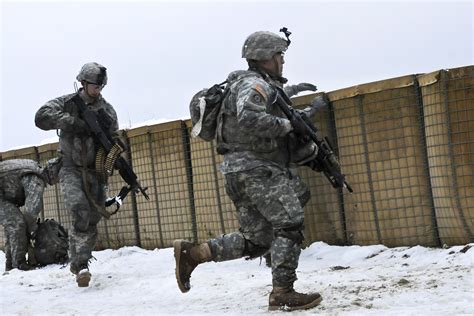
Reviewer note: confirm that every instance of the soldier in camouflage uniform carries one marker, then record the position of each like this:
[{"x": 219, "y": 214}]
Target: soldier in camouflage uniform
[
  {"x": 82, "y": 187},
  {"x": 255, "y": 138},
  {"x": 22, "y": 183}
]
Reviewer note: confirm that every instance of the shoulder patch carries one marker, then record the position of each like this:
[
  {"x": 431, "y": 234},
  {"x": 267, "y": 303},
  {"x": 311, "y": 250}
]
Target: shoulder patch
[{"x": 260, "y": 90}]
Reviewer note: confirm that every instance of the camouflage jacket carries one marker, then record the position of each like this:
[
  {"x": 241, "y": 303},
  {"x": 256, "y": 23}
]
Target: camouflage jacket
[
  {"x": 251, "y": 130},
  {"x": 22, "y": 183},
  {"x": 77, "y": 148}
]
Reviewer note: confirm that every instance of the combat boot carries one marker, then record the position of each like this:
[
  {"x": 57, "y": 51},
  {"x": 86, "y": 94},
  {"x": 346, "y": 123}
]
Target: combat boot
[
  {"x": 286, "y": 298},
  {"x": 83, "y": 276},
  {"x": 188, "y": 256}
]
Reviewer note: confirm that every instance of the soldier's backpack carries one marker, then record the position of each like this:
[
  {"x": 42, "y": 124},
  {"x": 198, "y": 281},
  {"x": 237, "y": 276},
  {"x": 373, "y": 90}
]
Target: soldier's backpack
[
  {"x": 204, "y": 109},
  {"x": 206, "y": 104},
  {"x": 50, "y": 244}
]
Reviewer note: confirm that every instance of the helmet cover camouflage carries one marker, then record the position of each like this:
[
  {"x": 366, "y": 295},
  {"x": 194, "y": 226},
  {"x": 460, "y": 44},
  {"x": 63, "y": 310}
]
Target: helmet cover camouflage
[
  {"x": 93, "y": 73},
  {"x": 263, "y": 45}
]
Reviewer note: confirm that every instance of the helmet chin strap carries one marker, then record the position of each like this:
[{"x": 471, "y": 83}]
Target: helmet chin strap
[
  {"x": 276, "y": 67},
  {"x": 255, "y": 67},
  {"x": 277, "y": 76}
]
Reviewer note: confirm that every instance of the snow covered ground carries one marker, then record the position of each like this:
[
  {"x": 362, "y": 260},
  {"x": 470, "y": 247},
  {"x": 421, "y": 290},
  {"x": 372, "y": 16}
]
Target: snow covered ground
[{"x": 370, "y": 280}]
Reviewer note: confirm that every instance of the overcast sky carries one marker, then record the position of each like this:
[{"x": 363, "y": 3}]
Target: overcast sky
[{"x": 159, "y": 53}]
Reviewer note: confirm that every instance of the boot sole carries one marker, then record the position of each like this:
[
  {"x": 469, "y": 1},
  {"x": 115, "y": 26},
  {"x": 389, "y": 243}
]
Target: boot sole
[
  {"x": 177, "y": 255},
  {"x": 312, "y": 304},
  {"x": 83, "y": 279}
]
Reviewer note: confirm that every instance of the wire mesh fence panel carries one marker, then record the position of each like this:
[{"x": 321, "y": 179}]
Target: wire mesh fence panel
[
  {"x": 215, "y": 212},
  {"x": 448, "y": 98},
  {"x": 23, "y": 153},
  {"x": 207, "y": 196},
  {"x": 323, "y": 217},
  {"x": 149, "y": 228},
  {"x": 358, "y": 207},
  {"x": 170, "y": 206},
  {"x": 396, "y": 196},
  {"x": 399, "y": 173}
]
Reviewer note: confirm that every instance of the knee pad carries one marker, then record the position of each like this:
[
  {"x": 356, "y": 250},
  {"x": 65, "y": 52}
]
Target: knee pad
[{"x": 293, "y": 233}]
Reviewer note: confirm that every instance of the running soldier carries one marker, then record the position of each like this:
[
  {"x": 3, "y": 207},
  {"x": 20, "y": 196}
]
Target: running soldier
[{"x": 258, "y": 144}]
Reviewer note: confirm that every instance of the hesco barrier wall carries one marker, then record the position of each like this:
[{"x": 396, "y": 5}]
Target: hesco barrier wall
[
  {"x": 448, "y": 99},
  {"x": 382, "y": 149},
  {"x": 406, "y": 146}
]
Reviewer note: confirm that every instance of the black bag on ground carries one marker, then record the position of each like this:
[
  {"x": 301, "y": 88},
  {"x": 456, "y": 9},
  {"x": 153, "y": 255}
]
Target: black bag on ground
[{"x": 50, "y": 243}]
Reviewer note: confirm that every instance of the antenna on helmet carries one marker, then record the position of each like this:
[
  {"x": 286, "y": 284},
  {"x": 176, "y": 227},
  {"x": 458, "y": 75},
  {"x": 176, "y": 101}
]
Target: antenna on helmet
[{"x": 287, "y": 33}]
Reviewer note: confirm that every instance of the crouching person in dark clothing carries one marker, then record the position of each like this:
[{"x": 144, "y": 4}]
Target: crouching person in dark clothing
[{"x": 22, "y": 183}]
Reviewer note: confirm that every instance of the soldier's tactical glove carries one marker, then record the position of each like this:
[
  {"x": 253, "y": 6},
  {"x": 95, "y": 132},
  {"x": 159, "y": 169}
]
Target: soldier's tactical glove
[
  {"x": 297, "y": 88},
  {"x": 320, "y": 102},
  {"x": 304, "y": 86},
  {"x": 73, "y": 124}
]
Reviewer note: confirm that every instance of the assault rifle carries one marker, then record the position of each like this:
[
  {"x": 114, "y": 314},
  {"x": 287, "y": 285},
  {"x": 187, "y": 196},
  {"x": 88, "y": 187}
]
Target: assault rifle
[
  {"x": 98, "y": 124},
  {"x": 326, "y": 160}
]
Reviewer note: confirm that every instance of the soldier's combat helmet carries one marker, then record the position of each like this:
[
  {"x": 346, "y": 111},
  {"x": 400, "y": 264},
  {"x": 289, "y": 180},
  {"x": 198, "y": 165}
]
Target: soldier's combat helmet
[
  {"x": 263, "y": 45},
  {"x": 93, "y": 73}
]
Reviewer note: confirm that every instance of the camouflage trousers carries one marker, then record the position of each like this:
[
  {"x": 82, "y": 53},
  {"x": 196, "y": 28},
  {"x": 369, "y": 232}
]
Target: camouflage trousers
[
  {"x": 16, "y": 240},
  {"x": 85, "y": 216},
  {"x": 269, "y": 209}
]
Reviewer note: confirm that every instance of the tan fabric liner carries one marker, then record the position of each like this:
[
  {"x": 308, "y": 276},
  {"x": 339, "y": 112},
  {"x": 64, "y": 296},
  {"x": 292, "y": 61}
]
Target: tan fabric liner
[
  {"x": 429, "y": 78},
  {"x": 372, "y": 87},
  {"x": 154, "y": 128}
]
